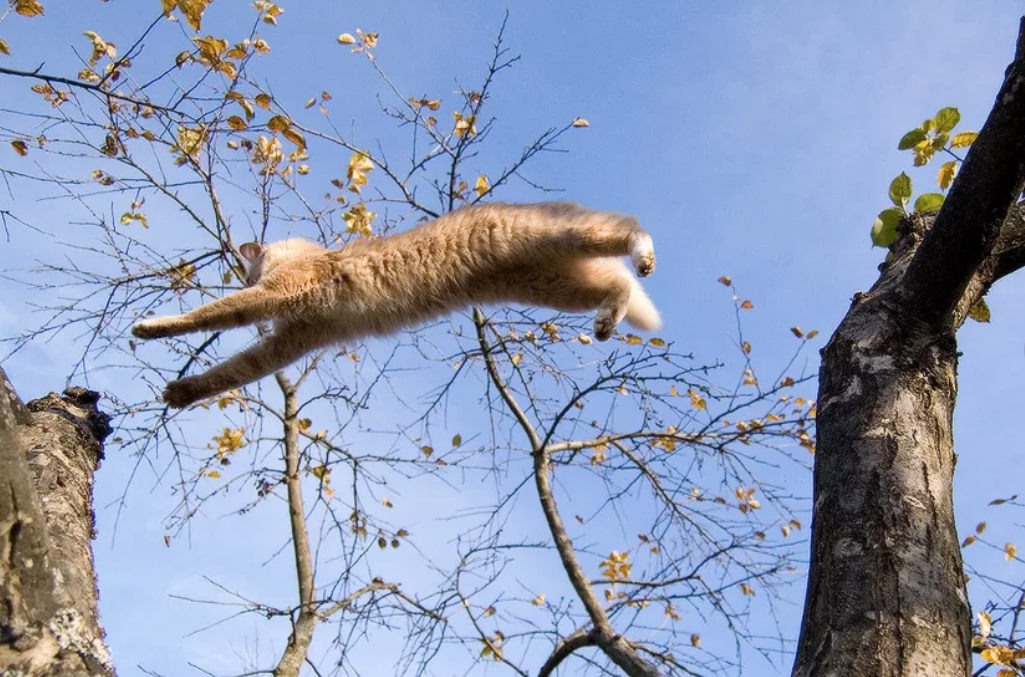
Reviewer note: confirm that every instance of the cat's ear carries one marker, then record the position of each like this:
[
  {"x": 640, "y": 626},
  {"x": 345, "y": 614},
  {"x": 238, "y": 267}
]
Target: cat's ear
[{"x": 251, "y": 251}]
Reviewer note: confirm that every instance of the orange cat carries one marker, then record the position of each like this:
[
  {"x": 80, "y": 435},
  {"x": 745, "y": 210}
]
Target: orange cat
[{"x": 558, "y": 255}]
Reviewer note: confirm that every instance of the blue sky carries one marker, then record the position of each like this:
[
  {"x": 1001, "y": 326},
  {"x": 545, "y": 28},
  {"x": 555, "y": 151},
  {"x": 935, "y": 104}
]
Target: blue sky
[{"x": 755, "y": 140}]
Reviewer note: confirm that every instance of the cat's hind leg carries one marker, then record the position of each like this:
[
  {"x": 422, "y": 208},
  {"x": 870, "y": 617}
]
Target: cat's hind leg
[
  {"x": 611, "y": 311},
  {"x": 272, "y": 354},
  {"x": 573, "y": 285},
  {"x": 610, "y": 234},
  {"x": 618, "y": 295},
  {"x": 238, "y": 309}
]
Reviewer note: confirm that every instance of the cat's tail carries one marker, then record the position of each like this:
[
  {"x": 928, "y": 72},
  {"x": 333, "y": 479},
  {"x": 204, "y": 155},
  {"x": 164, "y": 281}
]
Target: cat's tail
[{"x": 640, "y": 311}]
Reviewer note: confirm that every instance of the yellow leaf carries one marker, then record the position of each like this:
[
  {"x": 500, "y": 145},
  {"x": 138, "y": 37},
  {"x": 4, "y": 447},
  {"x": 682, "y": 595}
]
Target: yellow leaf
[
  {"x": 427, "y": 450},
  {"x": 322, "y": 473},
  {"x": 725, "y": 280},
  {"x": 190, "y": 140},
  {"x": 303, "y": 169},
  {"x": 482, "y": 186},
  {"x": 358, "y": 219},
  {"x": 296, "y": 137},
  {"x": 696, "y": 400},
  {"x": 28, "y": 7},
  {"x": 985, "y": 624},
  {"x": 263, "y": 100},
  {"x": 632, "y": 340},
  {"x": 237, "y": 123},
  {"x": 490, "y": 611},
  {"x": 747, "y": 305},
  {"x": 465, "y": 126},
  {"x": 278, "y": 123},
  {"x": 20, "y": 147},
  {"x": 980, "y": 527},
  {"x": 214, "y": 474},
  {"x": 796, "y": 331},
  {"x": 1010, "y": 551},
  {"x": 271, "y": 15},
  {"x": 581, "y": 122},
  {"x": 1000, "y": 655},
  {"x": 539, "y": 600},
  {"x": 657, "y": 342},
  {"x": 346, "y": 39},
  {"x": 4, "y": 47},
  {"x": 963, "y": 139},
  {"x": 585, "y": 339},
  {"x": 923, "y": 153},
  {"x": 457, "y": 440},
  {"x": 948, "y": 170},
  {"x": 967, "y": 541},
  {"x": 979, "y": 311},
  {"x": 695, "y": 640},
  {"x": 369, "y": 39},
  {"x": 812, "y": 334},
  {"x": 516, "y": 359},
  {"x": 192, "y": 9}
]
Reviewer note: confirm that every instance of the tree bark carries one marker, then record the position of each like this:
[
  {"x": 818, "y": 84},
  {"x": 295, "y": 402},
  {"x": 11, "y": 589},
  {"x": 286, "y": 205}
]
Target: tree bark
[
  {"x": 49, "y": 451},
  {"x": 886, "y": 593}
]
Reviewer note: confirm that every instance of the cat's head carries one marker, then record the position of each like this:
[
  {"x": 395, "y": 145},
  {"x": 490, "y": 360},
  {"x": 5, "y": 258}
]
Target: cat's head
[{"x": 259, "y": 260}]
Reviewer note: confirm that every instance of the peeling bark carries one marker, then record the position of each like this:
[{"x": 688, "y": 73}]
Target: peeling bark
[
  {"x": 886, "y": 592},
  {"x": 49, "y": 451}
]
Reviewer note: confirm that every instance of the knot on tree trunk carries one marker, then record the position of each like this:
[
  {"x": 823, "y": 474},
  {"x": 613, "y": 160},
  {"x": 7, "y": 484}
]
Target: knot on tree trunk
[{"x": 77, "y": 405}]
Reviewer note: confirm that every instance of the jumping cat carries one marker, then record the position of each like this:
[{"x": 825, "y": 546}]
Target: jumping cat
[{"x": 556, "y": 254}]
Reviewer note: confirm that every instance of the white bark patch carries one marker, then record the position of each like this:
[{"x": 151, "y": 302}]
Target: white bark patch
[
  {"x": 853, "y": 390},
  {"x": 72, "y": 634},
  {"x": 876, "y": 364}
]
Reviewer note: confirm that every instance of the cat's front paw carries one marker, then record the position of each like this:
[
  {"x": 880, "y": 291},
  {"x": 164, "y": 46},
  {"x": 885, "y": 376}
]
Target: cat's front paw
[
  {"x": 183, "y": 392},
  {"x": 156, "y": 328}
]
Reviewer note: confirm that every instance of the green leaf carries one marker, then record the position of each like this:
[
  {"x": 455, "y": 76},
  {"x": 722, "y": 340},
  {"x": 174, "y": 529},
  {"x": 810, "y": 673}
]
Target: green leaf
[
  {"x": 884, "y": 230},
  {"x": 940, "y": 141},
  {"x": 979, "y": 313},
  {"x": 928, "y": 125},
  {"x": 947, "y": 119},
  {"x": 900, "y": 190},
  {"x": 911, "y": 139},
  {"x": 929, "y": 202}
]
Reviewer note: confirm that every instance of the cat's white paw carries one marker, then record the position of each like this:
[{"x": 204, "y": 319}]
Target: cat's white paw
[{"x": 642, "y": 253}]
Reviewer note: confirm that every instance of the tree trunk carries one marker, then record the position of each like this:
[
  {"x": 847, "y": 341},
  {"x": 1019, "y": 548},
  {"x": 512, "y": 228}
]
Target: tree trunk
[
  {"x": 49, "y": 451},
  {"x": 886, "y": 593}
]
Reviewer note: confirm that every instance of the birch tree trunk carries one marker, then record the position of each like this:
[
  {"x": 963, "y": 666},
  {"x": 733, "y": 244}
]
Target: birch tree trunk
[
  {"x": 886, "y": 593},
  {"x": 49, "y": 451}
]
